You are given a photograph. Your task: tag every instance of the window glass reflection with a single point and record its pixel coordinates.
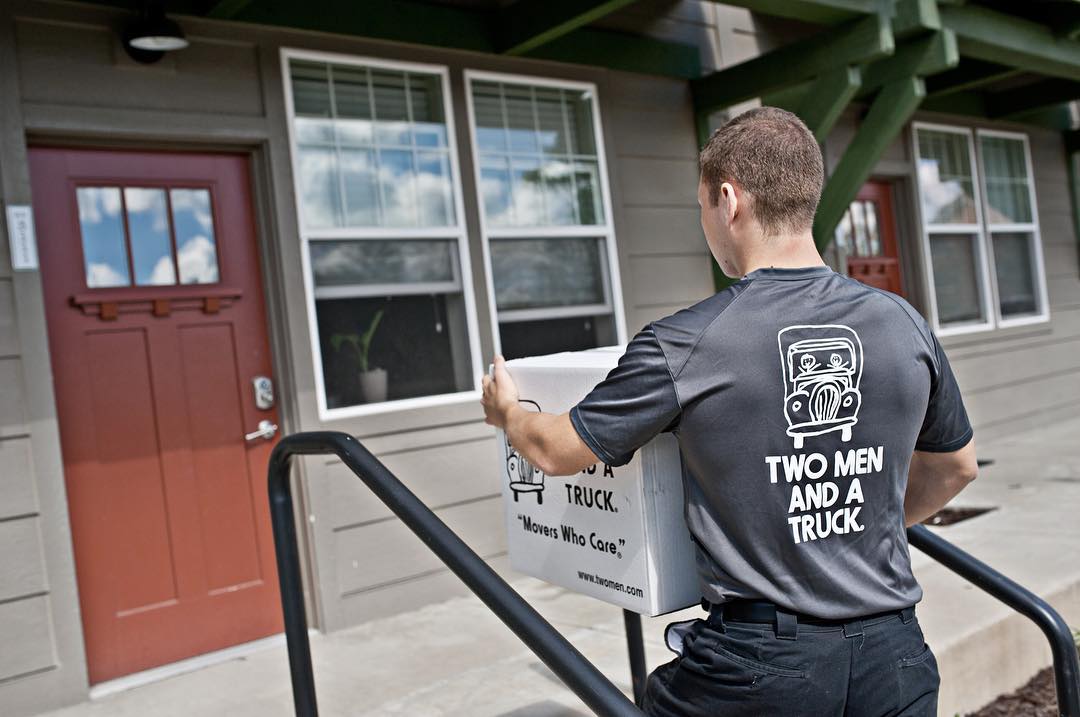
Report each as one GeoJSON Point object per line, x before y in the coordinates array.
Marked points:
{"type": "Point", "coordinates": [1005, 175]}
{"type": "Point", "coordinates": [1015, 271]}
{"type": "Point", "coordinates": [533, 273]}
{"type": "Point", "coordinates": [545, 137]}
{"type": "Point", "coordinates": [379, 261]}
{"type": "Point", "coordinates": [196, 247]}
{"type": "Point", "coordinates": [956, 280]}
{"type": "Point", "coordinates": [375, 152]}
{"type": "Point", "coordinates": [102, 228]}
{"type": "Point", "coordinates": [945, 182]}
{"type": "Point", "coordinates": [151, 246]}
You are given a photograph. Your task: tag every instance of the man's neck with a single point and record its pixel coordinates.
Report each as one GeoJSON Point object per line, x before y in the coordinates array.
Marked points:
{"type": "Point", "coordinates": [793, 251]}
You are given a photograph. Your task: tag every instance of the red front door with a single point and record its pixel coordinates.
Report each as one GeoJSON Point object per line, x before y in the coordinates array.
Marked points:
{"type": "Point", "coordinates": [157, 329]}
{"type": "Point", "coordinates": [869, 232]}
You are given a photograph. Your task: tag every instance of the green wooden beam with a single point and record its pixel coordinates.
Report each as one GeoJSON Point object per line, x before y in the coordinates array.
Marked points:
{"type": "Point", "coordinates": [911, 17]}
{"type": "Point", "coordinates": [227, 9]}
{"type": "Point", "coordinates": [993, 36]}
{"type": "Point", "coordinates": [908, 16]}
{"type": "Point", "coordinates": [827, 98]}
{"type": "Point", "coordinates": [528, 24]}
{"type": "Point", "coordinates": [922, 56]}
{"type": "Point", "coordinates": [459, 28]}
{"type": "Point", "coordinates": [926, 55]}
{"type": "Point", "coordinates": [621, 51]}
{"type": "Point", "coordinates": [1036, 96]}
{"type": "Point", "coordinates": [971, 103]}
{"type": "Point", "coordinates": [969, 74]}
{"type": "Point", "coordinates": [888, 114]}
{"type": "Point", "coordinates": [851, 43]}
{"type": "Point", "coordinates": [822, 12]}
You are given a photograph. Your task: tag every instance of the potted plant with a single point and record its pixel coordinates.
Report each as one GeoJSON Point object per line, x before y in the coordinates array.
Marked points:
{"type": "Point", "coordinates": [372, 380]}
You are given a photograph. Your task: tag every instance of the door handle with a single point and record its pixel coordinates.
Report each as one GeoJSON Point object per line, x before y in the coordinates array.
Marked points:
{"type": "Point", "coordinates": [266, 430]}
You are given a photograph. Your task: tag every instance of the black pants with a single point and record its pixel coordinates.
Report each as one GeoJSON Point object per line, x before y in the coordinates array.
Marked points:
{"type": "Point", "coordinates": [873, 668]}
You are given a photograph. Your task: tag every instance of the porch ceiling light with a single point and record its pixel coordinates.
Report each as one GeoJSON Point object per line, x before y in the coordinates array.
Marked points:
{"type": "Point", "coordinates": [152, 34]}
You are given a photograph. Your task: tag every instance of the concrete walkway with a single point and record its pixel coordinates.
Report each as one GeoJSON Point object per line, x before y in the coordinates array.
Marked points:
{"type": "Point", "coordinates": [456, 658]}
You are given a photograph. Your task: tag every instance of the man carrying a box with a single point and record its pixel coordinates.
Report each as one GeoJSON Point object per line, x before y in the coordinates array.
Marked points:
{"type": "Point", "coordinates": [817, 418]}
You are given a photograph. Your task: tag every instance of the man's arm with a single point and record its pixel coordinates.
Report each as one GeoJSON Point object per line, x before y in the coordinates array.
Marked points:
{"type": "Point", "coordinates": [935, 478]}
{"type": "Point", "coordinates": [546, 440]}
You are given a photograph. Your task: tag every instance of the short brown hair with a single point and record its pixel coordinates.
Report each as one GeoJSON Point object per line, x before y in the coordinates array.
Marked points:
{"type": "Point", "coordinates": [772, 156]}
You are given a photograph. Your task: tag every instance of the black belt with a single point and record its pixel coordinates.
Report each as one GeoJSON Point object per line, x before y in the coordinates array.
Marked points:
{"type": "Point", "coordinates": [742, 610]}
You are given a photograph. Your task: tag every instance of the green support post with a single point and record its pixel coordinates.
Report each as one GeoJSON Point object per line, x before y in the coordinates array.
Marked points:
{"type": "Point", "coordinates": [826, 99]}
{"type": "Point", "coordinates": [888, 114]}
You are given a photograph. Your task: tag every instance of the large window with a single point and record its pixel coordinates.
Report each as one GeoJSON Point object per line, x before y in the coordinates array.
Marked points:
{"type": "Point", "coordinates": [545, 216]}
{"type": "Point", "coordinates": [980, 227]}
{"type": "Point", "coordinates": [380, 216]}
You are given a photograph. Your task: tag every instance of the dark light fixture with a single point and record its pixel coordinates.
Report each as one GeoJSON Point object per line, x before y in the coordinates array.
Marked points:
{"type": "Point", "coordinates": [151, 35]}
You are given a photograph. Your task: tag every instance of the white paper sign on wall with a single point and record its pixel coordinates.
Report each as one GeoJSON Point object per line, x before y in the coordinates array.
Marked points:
{"type": "Point", "coordinates": [20, 224]}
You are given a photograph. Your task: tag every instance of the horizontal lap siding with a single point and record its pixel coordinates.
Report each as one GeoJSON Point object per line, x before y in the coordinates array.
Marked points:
{"type": "Point", "coordinates": [666, 264]}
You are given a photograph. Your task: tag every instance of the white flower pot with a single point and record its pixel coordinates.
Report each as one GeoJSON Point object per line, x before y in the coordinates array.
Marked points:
{"type": "Point", "coordinates": [373, 385]}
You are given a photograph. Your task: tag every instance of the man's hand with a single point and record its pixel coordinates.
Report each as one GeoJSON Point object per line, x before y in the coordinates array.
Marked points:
{"type": "Point", "coordinates": [500, 397]}
{"type": "Point", "coordinates": [546, 440]}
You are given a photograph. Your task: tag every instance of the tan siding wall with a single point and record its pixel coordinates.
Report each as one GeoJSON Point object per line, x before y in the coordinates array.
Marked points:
{"type": "Point", "coordinates": [41, 652]}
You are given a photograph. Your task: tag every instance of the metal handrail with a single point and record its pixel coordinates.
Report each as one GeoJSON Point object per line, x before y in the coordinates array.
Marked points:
{"type": "Point", "coordinates": [580, 675]}
{"type": "Point", "coordinates": [1062, 644]}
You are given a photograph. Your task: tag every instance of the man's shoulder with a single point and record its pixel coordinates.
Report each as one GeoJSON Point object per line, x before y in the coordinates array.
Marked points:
{"type": "Point", "coordinates": [678, 333]}
{"type": "Point", "coordinates": [892, 303]}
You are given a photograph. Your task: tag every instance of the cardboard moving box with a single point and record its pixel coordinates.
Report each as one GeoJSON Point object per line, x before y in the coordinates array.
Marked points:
{"type": "Point", "coordinates": [617, 534]}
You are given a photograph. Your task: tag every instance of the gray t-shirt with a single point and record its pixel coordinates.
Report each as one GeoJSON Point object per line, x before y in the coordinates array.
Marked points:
{"type": "Point", "coordinates": [797, 397]}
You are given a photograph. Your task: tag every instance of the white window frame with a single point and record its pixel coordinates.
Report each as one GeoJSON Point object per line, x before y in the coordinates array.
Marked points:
{"type": "Point", "coordinates": [456, 232]}
{"type": "Point", "coordinates": [1032, 227]}
{"type": "Point", "coordinates": [612, 284]}
{"type": "Point", "coordinates": [984, 268]}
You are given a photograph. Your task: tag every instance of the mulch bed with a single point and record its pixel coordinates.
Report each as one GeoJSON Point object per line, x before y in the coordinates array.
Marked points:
{"type": "Point", "coordinates": [1035, 699]}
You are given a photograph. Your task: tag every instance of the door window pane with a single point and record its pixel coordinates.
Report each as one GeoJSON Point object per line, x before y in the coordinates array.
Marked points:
{"type": "Point", "coordinates": [372, 147]}
{"type": "Point", "coordinates": [196, 246]}
{"type": "Point", "coordinates": [1005, 176]}
{"type": "Point", "coordinates": [1015, 271]}
{"type": "Point", "coordinates": [151, 246]}
{"type": "Point", "coordinates": [533, 273]}
{"type": "Point", "coordinates": [957, 285]}
{"type": "Point", "coordinates": [945, 181]}
{"type": "Point", "coordinates": [546, 138]}
{"type": "Point", "coordinates": [102, 226]}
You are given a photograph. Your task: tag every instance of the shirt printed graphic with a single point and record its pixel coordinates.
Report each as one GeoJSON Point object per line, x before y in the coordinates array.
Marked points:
{"type": "Point", "coordinates": [822, 369]}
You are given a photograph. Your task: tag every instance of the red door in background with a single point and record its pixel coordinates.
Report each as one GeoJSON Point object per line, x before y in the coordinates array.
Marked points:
{"type": "Point", "coordinates": [157, 330]}
{"type": "Point", "coordinates": [868, 231]}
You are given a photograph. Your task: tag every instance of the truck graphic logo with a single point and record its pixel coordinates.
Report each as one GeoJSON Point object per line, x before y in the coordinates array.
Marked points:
{"type": "Point", "coordinates": [524, 476]}
{"type": "Point", "coordinates": [822, 368]}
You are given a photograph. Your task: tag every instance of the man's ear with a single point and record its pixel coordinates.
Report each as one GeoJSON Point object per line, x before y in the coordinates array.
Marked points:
{"type": "Point", "coordinates": [729, 201]}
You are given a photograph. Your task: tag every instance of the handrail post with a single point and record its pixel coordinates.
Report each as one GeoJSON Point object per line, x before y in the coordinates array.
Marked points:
{"type": "Point", "coordinates": [580, 675]}
{"type": "Point", "coordinates": [635, 642]}
{"type": "Point", "coordinates": [1019, 598]}
{"type": "Point", "coordinates": [292, 598]}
